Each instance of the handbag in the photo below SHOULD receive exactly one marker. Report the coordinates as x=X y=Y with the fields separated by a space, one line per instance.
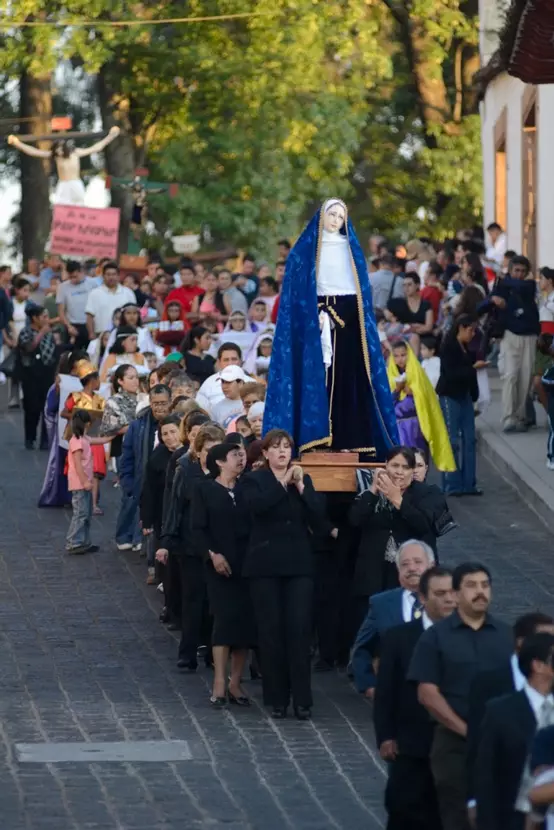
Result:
x=9 y=364
x=444 y=523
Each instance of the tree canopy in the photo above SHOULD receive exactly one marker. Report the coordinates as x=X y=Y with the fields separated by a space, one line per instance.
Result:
x=258 y=118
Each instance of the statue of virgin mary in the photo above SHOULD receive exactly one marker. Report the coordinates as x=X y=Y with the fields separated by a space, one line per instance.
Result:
x=328 y=384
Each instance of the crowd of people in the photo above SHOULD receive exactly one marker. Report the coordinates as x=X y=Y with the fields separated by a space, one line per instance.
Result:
x=157 y=386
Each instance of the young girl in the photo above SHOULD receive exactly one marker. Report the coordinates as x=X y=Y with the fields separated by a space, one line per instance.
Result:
x=172 y=327
x=94 y=404
x=80 y=480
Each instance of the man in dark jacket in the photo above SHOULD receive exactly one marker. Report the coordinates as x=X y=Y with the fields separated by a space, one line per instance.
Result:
x=138 y=445
x=515 y=296
x=403 y=727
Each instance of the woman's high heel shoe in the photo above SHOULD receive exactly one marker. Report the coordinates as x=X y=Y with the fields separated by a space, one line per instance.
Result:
x=218 y=702
x=240 y=700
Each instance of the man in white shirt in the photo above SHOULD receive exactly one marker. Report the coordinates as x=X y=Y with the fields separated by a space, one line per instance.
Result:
x=386 y=283
x=211 y=392
x=498 y=243
x=507 y=734
x=71 y=299
x=103 y=301
x=231 y=379
x=403 y=728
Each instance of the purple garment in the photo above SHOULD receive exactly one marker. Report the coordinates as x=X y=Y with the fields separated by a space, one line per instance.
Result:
x=54 y=491
x=408 y=426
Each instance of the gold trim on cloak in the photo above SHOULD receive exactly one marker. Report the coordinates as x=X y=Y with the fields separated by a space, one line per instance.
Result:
x=327 y=441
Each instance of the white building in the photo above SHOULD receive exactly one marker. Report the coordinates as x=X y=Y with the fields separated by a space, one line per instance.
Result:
x=518 y=125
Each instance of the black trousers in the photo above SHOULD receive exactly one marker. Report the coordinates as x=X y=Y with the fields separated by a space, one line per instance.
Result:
x=171 y=579
x=195 y=622
x=35 y=382
x=283 y=611
x=449 y=766
x=335 y=561
x=410 y=797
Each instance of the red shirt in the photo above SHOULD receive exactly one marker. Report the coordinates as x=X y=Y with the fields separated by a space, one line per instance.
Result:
x=185 y=295
x=433 y=295
x=275 y=311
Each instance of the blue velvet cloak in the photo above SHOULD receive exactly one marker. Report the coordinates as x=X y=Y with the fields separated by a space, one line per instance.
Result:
x=297 y=398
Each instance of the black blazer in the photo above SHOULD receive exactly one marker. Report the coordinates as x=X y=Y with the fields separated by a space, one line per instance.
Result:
x=414 y=520
x=282 y=524
x=176 y=525
x=397 y=714
x=507 y=733
x=486 y=686
x=219 y=522
x=458 y=378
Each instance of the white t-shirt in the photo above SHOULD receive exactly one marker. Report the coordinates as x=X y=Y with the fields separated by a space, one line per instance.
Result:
x=102 y=302
x=224 y=411
x=19 y=317
x=546 y=308
x=432 y=368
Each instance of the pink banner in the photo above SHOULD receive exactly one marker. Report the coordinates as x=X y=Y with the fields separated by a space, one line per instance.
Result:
x=83 y=231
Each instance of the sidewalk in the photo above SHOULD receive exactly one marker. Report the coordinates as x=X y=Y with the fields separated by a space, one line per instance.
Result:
x=519 y=458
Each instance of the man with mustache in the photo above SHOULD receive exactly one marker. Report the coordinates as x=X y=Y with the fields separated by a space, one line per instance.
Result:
x=446 y=659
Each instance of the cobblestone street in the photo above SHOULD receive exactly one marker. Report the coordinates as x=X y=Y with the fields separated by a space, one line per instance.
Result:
x=83 y=658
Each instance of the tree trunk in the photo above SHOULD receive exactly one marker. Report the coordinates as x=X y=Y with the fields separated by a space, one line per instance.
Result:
x=35 y=101
x=121 y=160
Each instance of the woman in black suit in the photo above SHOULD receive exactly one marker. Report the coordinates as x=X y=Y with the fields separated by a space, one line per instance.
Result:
x=395 y=508
x=219 y=528
x=176 y=537
x=284 y=512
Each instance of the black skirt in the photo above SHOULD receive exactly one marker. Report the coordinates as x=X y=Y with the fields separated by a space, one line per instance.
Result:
x=231 y=608
x=348 y=386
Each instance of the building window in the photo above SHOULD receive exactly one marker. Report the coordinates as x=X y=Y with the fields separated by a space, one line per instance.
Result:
x=500 y=172
x=529 y=177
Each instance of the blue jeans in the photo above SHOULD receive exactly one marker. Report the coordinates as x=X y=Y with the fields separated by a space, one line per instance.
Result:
x=127 y=530
x=78 y=534
x=460 y=423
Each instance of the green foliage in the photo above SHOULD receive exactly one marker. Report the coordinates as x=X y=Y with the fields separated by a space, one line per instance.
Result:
x=258 y=119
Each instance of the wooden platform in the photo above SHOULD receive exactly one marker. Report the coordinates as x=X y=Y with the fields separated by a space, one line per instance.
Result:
x=333 y=472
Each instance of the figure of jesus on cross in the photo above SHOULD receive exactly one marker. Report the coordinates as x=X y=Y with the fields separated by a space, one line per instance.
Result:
x=70 y=189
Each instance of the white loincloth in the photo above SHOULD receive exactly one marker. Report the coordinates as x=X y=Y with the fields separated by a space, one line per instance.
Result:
x=69 y=193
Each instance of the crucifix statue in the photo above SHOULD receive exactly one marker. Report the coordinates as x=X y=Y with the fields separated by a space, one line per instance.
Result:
x=70 y=189
x=140 y=189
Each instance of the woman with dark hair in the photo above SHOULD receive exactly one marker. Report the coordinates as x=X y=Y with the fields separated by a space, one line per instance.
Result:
x=125 y=350
x=388 y=514
x=211 y=303
x=473 y=272
x=284 y=513
x=121 y=407
x=176 y=541
x=131 y=316
x=458 y=390
x=219 y=533
x=200 y=365
x=151 y=508
x=55 y=491
x=37 y=358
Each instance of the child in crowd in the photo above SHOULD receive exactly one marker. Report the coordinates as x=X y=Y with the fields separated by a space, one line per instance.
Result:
x=243 y=428
x=430 y=362
x=151 y=360
x=80 y=477
x=93 y=403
